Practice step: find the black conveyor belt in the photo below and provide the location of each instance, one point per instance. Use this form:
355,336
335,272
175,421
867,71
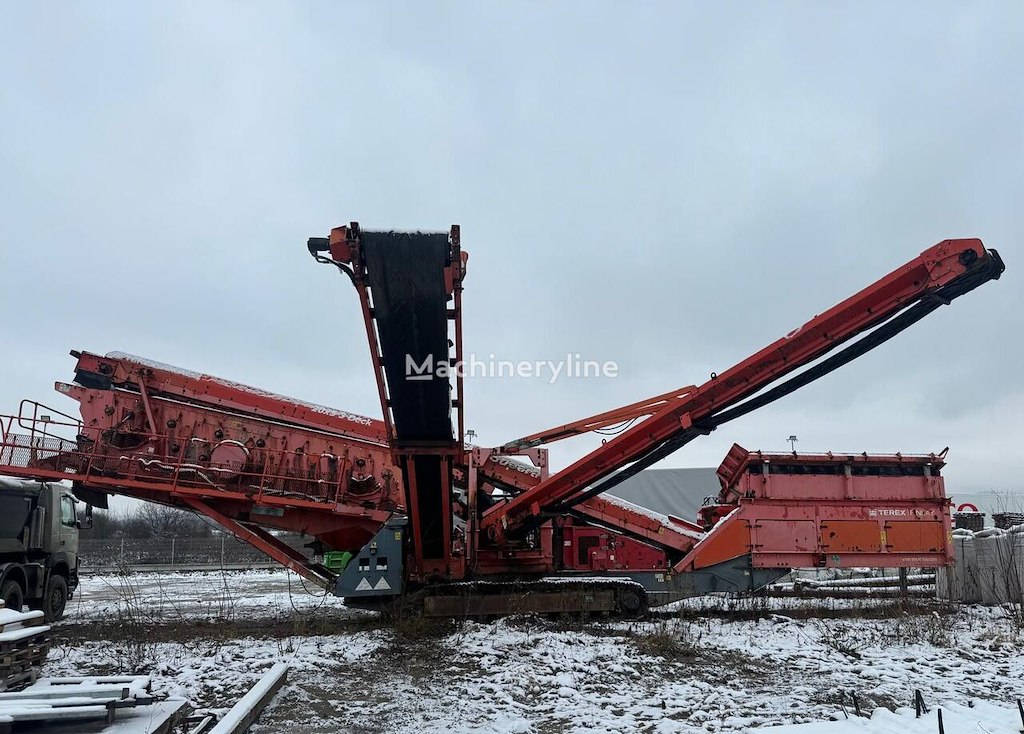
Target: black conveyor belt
405,271
406,275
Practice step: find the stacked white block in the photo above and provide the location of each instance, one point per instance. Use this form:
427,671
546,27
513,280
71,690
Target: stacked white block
992,563
988,568
1015,566
959,582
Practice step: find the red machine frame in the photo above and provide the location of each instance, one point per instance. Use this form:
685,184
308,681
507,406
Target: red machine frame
925,276
252,460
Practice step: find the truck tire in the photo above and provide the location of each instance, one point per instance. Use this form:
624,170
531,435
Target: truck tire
12,595
56,597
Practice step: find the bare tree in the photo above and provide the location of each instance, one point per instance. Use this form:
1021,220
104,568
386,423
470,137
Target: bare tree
105,524
160,521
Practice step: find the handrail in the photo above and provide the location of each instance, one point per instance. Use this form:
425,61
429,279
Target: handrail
36,405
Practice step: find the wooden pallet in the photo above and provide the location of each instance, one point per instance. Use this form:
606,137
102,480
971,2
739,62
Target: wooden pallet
32,619
12,621
19,679
35,651
24,644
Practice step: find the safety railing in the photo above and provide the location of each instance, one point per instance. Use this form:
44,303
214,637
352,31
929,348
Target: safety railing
34,430
160,464
43,415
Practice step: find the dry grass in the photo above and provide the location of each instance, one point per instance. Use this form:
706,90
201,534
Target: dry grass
668,639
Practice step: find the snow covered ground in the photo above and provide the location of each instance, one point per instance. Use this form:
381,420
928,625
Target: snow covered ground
174,595
979,716
706,665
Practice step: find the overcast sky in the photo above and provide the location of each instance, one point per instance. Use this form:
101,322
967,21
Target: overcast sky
668,186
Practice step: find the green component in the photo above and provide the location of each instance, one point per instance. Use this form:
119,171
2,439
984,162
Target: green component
337,560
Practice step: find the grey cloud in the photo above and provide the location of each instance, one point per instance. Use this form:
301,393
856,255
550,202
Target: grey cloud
669,186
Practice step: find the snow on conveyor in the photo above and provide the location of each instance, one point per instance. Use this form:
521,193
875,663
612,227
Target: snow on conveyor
315,407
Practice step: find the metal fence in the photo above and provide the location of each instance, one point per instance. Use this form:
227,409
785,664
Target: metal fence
181,554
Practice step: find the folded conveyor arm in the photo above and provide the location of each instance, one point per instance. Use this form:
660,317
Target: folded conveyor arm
890,305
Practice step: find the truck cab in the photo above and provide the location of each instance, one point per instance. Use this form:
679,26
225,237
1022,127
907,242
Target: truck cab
38,545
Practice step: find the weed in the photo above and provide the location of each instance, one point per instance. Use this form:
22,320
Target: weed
133,649
843,638
669,639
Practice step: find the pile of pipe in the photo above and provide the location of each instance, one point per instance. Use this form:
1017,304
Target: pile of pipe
988,568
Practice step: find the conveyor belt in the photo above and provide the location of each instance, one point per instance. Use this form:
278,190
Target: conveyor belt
406,275
989,269
405,272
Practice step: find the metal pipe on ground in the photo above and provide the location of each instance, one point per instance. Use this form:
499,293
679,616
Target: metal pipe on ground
242,715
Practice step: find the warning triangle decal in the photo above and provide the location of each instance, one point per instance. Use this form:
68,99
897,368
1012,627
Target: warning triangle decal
382,584
364,585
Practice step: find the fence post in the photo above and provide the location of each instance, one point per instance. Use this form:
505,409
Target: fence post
172,552
121,556
223,537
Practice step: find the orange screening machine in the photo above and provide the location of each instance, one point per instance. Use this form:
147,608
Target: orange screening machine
462,529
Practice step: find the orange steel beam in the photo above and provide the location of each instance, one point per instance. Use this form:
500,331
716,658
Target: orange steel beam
264,541
600,421
943,272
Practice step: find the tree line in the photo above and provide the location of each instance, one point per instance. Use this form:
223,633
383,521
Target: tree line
149,520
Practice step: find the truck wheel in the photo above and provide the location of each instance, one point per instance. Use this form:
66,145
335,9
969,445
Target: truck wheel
56,598
12,595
